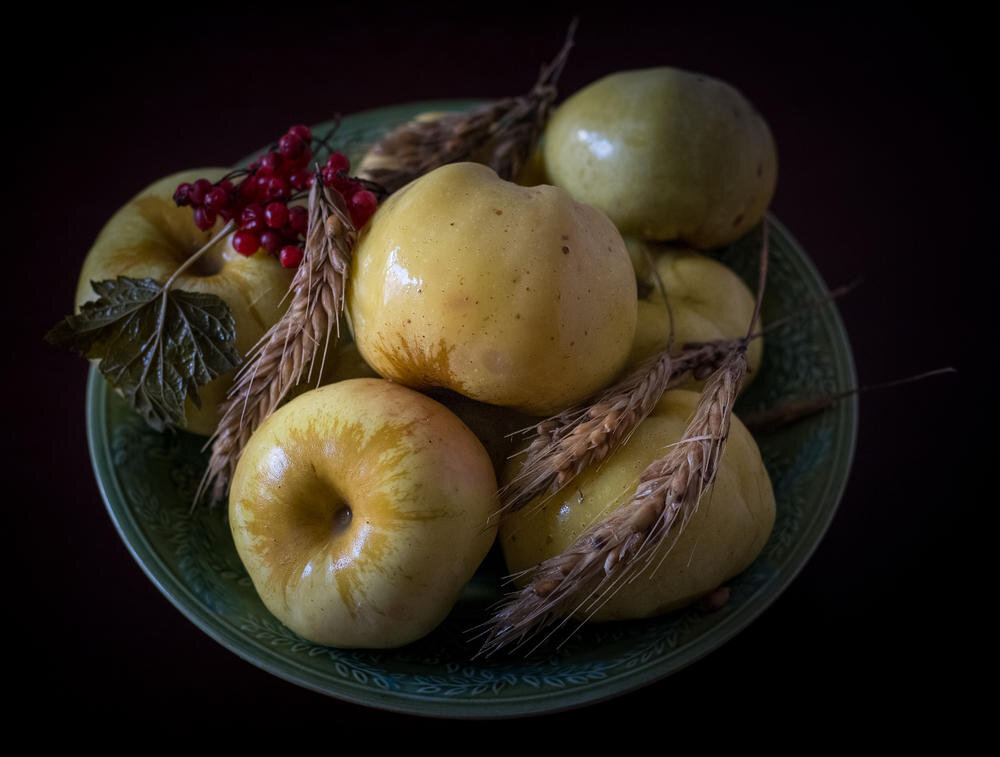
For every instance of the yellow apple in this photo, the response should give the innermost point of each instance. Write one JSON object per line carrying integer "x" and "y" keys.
{"x": 360, "y": 511}
{"x": 720, "y": 541}
{"x": 514, "y": 296}
{"x": 150, "y": 237}
{"x": 667, "y": 154}
{"x": 707, "y": 299}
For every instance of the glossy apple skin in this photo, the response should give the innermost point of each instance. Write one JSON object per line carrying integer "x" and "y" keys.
{"x": 707, "y": 299}
{"x": 150, "y": 237}
{"x": 419, "y": 488}
{"x": 667, "y": 154}
{"x": 720, "y": 541}
{"x": 514, "y": 296}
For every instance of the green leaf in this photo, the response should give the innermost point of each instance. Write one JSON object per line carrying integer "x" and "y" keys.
{"x": 156, "y": 346}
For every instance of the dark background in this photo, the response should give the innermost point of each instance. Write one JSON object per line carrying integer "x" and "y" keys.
{"x": 885, "y": 173}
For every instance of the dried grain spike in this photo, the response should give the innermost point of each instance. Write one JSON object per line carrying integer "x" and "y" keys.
{"x": 291, "y": 347}
{"x": 587, "y": 433}
{"x": 582, "y": 578}
{"x": 508, "y": 129}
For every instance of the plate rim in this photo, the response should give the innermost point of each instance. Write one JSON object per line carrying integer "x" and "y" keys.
{"x": 604, "y": 689}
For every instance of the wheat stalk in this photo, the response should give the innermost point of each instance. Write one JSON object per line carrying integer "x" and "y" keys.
{"x": 508, "y": 128}
{"x": 291, "y": 346}
{"x": 584, "y": 576}
{"x": 586, "y": 434}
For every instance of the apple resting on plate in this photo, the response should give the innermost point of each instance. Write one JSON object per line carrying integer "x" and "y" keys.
{"x": 667, "y": 154}
{"x": 708, "y": 301}
{"x": 720, "y": 540}
{"x": 150, "y": 237}
{"x": 360, "y": 510}
{"x": 514, "y": 296}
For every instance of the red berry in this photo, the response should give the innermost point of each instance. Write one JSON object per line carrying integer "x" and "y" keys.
{"x": 204, "y": 218}
{"x": 298, "y": 219}
{"x": 270, "y": 164}
{"x": 252, "y": 217}
{"x": 352, "y": 188}
{"x": 297, "y": 164}
{"x": 247, "y": 190}
{"x": 302, "y": 132}
{"x": 291, "y": 146}
{"x": 338, "y": 162}
{"x": 198, "y": 191}
{"x": 276, "y": 215}
{"x": 232, "y": 199}
{"x": 290, "y": 256}
{"x": 362, "y": 205}
{"x": 277, "y": 188}
{"x": 301, "y": 179}
{"x": 262, "y": 182}
{"x": 271, "y": 241}
{"x": 182, "y": 196}
{"x": 245, "y": 242}
{"x": 329, "y": 176}
{"x": 216, "y": 199}
{"x": 338, "y": 180}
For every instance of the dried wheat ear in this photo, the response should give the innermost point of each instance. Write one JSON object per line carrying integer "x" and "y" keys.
{"x": 578, "y": 581}
{"x": 586, "y": 434}
{"x": 501, "y": 134}
{"x": 581, "y": 579}
{"x": 508, "y": 129}
{"x": 295, "y": 344}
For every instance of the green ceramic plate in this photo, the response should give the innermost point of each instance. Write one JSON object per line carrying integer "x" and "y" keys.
{"x": 148, "y": 480}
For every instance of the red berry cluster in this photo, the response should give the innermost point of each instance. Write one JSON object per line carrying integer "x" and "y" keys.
{"x": 260, "y": 201}
{"x": 361, "y": 202}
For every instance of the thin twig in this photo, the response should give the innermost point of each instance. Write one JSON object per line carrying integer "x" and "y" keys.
{"x": 789, "y": 411}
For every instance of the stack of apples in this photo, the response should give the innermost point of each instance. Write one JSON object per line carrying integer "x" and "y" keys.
{"x": 478, "y": 306}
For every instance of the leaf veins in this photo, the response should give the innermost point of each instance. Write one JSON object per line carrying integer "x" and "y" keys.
{"x": 156, "y": 345}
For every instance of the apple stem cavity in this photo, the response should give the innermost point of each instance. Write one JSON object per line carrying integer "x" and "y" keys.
{"x": 342, "y": 518}
{"x": 195, "y": 257}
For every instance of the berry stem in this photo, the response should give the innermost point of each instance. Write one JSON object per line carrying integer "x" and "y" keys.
{"x": 233, "y": 174}
{"x": 187, "y": 263}
{"x": 324, "y": 141}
